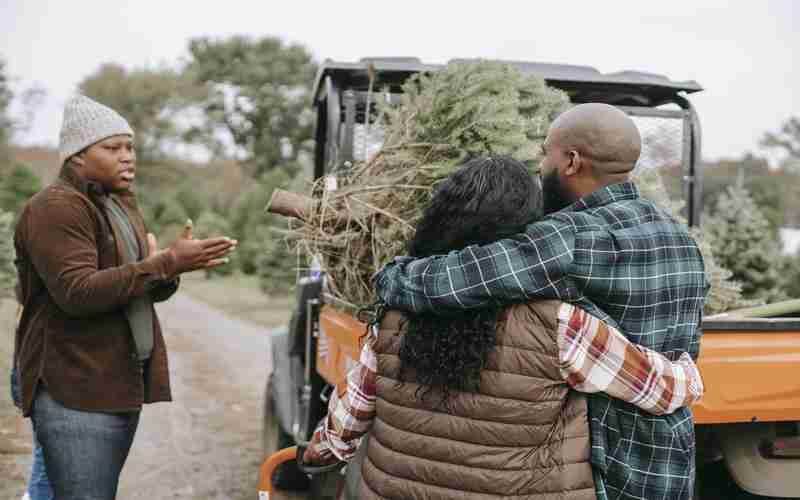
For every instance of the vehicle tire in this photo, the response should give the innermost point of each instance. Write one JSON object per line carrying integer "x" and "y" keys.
{"x": 273, "y": 438}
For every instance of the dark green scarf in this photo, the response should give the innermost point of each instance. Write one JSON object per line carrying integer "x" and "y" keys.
{"x": 140, "y": 310}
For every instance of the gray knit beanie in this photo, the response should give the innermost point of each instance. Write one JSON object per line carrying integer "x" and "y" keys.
{"x": 86, "y": 122}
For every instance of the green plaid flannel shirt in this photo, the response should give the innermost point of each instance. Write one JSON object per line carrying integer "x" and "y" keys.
{"x": 624, "y": 260}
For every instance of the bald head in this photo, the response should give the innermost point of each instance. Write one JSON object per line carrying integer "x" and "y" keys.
{"x": 587, "y": 148}
{"x": 602, "y": 134}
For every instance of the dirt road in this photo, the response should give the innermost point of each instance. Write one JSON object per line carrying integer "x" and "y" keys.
{"x": 205, "y": 444}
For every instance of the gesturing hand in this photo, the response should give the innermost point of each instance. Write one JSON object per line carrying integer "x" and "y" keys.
{"x": 186, "y": 233}
{"x": 191, "y": 254}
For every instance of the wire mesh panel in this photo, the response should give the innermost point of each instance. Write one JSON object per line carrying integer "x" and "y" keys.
{"x": 367, "y": 143}
{"x": 665, "y": 146}
{"x": 662, "y": 142}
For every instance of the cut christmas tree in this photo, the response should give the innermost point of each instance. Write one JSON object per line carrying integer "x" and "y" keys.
{"x": 442, "y": 119}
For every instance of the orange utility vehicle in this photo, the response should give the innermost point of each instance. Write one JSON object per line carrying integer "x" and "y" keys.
{"x": 748, "y": 423}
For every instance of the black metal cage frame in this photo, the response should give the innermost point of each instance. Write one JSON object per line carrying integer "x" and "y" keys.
{"x": 341, "y": 98}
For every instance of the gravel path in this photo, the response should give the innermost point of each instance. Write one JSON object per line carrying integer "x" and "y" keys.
{"x": 206, "y": 443}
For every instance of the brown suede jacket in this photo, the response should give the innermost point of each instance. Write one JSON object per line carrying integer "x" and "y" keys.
{"x": 73, "y": 335}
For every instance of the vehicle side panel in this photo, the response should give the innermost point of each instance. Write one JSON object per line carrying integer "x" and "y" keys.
{"x": 339, "y": 344}
{"x": 749, "y": 376}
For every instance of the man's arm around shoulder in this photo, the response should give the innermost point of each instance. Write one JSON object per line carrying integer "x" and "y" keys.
{"x": 532, "y": 264}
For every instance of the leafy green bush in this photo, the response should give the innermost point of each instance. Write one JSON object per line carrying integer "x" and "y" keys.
{"x": 17, "y": 185}
{"x": 258, "y": 92}
{"x": 192, "y": 200}
{"x": 790, "y": 273}
{"x": 164, "y": 215}
{"x": 210, "y": 225}
{"x": 277, "y": 265}
{"x": 250, "y": 224}
{"x": 8, "y": 273}
{"x": 251, "y": 248}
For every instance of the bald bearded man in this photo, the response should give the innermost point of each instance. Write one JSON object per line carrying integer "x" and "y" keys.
{"x": 609, "y": 251}
{"x": 595, "y": 145}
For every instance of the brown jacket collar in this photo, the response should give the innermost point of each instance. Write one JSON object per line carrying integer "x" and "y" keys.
{"x": 69, "y": 176}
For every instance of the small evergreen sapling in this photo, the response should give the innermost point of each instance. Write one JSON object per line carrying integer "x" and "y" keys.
{"x": 746, "y": 243}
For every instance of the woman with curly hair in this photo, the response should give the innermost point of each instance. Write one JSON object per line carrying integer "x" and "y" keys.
{"x": 489, "y": 403}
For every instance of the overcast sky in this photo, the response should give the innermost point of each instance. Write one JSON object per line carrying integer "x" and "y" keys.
{"x": 743, "y": 53}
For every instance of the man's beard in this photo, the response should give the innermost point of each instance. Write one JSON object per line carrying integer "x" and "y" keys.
{"x": 553, "y": 196}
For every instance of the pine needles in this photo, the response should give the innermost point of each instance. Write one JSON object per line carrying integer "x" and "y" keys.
{"x": 443, "y": 119}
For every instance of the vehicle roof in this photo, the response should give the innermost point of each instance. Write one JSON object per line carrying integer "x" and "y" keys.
{"x": 582, "y": 83}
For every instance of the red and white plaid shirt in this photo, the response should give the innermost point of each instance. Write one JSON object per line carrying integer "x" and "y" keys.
{"x": 594, "y": 357}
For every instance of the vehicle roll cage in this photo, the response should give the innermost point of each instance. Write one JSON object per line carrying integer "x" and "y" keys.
{"x": 342, "y": 95}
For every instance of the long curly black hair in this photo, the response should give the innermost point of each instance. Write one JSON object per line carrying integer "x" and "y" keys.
{"x": 486, "y": 199}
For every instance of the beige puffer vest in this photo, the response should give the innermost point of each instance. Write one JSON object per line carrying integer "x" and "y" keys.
{"x": 524, "y": 435}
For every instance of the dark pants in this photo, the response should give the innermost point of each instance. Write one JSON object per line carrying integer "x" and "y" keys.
{"x": 84, "y": 451}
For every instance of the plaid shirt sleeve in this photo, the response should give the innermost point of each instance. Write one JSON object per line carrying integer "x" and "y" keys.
{"x": 535, "y": 263}
{"x": 351, "y": 411}
{"x": 595, "y": 357}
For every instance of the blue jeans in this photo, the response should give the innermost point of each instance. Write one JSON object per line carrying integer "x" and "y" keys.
{"x": 38, "y": 485}
{"x": 84, "y": 451}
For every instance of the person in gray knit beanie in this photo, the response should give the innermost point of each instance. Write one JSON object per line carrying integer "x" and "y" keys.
{"x": 89, "y": 347}
{"x": 87, "y": 122}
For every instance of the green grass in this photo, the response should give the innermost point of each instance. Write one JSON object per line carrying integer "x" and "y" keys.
{"x": 238, "y": 295}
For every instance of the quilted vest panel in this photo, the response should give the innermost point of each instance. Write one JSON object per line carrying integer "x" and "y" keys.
{"x": 523, "y": 435}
